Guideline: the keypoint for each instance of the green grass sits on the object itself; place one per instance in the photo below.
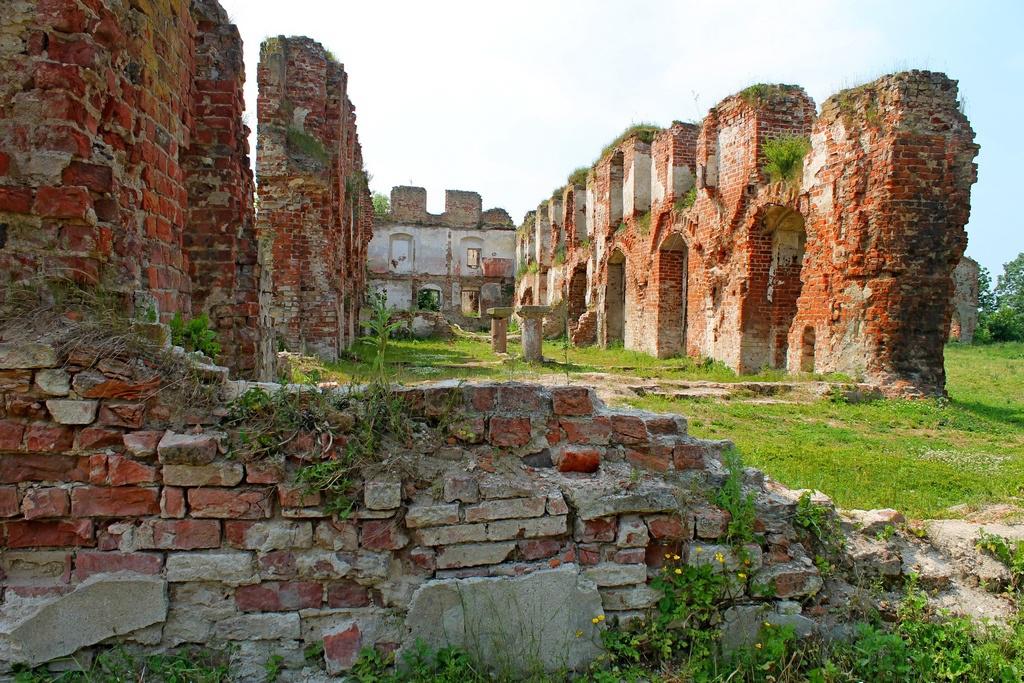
(921, 457)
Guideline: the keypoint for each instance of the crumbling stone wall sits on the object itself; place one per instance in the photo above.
(123, 160)
(315, 211)
(110, 506)
(965, 301)
(692, 248)
(412, 250)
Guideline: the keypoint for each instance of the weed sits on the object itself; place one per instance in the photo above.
(819, 521)
(761, 93)
(272, 667)
(644, 132)
(559, 256)
(118, 665)
(1010, 553)
(579, 176)
(643, 224)
(195, 335)
(687, 200)
(420, 664)
(784, 158)
(740, 506)
(301, 142)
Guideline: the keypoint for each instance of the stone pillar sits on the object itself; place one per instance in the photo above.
(499, 328)
(532, 317)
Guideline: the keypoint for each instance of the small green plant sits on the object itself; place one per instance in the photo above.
(560, 256)
(817, 520)
(420, 664)
(118, 665)
(687, 200)
(273, 667)
(195, 334)
(1011, 554)
(301, 142)
(784, 158)
(740, 506)
(621, 228)
(579, 176)
(381, 205)
(643, 224)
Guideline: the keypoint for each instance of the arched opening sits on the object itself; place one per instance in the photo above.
(615, 299)
(671, 269)
(807, 350)
(428, 298)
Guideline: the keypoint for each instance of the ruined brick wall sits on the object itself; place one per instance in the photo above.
(100, 105)
(103, 499)
(845, 269)
(413, 250)
(315, 210)
(965, 301)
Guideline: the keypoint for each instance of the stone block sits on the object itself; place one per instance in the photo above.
(632, 533)
(103, 606)
(89, 562)
(584, 459)
(509, 432)
(592, 502)
(218, 474)
(536, 527)
(384, 534)
(49, 534)
(9, 501)
(506, 508)
(487, 617)
(574, 401)
(267, 536)
(341, 647)
(21, 355)
(431, 515)
(142, 444)
(231, 503)
(266, 626)
(123, 471)
(382, 495)
(473, 554)
(636, 597)
(608, 574)
(53, 382)
(279, 596)
(43, 503)
(234, 569)
(187, 449)
(122, 501)
(742, 624)
(447, 535)
(463, 489)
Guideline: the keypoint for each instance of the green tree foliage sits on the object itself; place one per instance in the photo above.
(381, 205)
(1001, 312)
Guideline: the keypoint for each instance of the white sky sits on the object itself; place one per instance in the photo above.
(506, 99)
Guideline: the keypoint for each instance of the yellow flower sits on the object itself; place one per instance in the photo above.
(676, 557)
(719, 557)
(668, 556)
(579, 634)
(679, 571)
(600, 617)
(698, 549)
(757, 645)
(594, 620)
(742, 575)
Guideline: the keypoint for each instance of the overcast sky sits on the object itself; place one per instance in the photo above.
(507, 98)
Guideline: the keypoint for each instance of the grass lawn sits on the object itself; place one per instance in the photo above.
(921, 457)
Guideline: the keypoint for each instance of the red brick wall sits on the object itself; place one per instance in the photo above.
(315, 206)
(107, 118)
(861, 264)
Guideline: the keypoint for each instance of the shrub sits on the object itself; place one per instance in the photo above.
(195, 334)
(784, 158)
(427, 300)
(687, 200)
(1004, 325)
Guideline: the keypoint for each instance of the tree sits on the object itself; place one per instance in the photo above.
(1010, 286)
(381, 205)
(986, 297)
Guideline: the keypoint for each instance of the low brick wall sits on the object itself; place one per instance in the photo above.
(98, 484)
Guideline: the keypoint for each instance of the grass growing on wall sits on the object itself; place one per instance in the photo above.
(784, 158)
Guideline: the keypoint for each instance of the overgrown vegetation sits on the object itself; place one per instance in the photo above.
(687, 200)
(428, 300)
(731, 498)
(92, 324)
(381, 205)
(560, 255)
(784, 158)
(643, 224)
(644, 132)
(579, 176)
(1010, 553)
(759, 93)
(195, 334)
(301, 142)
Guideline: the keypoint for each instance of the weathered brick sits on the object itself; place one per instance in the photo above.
(578, 459)
(668, 527)
(41, 534)
(122, 501)
(572, 401)
(187, 449)
(44, 503)
(89, 562)
(231, 503)
(341, 647)
(70, 412)
(460, 488)
(347, 594)
(172, 502)
(505, 529)
(92, 438)
(122, 471)
(48, 438)
(382, 495)
(596, 430)
(382, 534)
(9, 501)
(11, 434)
(431, 515)
(265, 536)
(602, 529)
(179, 534)
(275, 596)
(509, 431)
(142, 444)
(121, 414)
(473, 554)
(446, 535)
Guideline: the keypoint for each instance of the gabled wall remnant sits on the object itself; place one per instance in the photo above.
(124, 161)
(844, 267)
(315, 210)
(465, 255)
